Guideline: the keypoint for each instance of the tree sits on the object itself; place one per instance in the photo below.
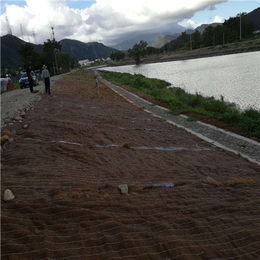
(51, 48)
(117, 56)
(233, 27)
(29, 56)
(184, 37)
(138, 51)
(208, 36)
(196, 39)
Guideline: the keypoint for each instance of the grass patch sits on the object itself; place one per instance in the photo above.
(192, 119)
(180, 101)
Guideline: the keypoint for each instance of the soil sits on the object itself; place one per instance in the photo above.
(65, 168)
(195, 116)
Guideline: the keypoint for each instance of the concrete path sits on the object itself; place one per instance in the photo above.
(247, 148)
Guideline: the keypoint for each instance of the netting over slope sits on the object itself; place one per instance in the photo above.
(65, 173)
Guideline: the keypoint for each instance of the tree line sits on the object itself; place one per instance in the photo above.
(56, 61)
(232, 30)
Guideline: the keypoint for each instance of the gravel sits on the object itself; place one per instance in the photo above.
(19, 101)
(246, 147)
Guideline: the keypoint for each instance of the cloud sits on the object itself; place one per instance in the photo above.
(192, 24)
(105, 20)
(218, 19)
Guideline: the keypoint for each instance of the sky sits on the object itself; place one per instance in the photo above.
(109, 21)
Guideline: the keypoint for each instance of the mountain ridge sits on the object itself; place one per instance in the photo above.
(11, 45)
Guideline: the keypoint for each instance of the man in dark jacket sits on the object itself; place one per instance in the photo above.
(30, 78)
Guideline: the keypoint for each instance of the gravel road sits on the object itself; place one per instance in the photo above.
(16, 102)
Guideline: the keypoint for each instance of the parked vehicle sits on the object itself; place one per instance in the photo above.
(38, 74)
(24, 82)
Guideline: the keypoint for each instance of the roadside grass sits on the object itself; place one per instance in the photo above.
(247, 121)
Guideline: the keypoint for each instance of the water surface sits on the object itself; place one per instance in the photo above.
(235, 77)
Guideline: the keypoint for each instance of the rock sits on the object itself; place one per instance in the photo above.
(25, 126)
(4, 138)
(211, 181)
(8, 195)
(6, 132)
(22, 114)
(18, 118)
(126, 145)
(123, 188)
(10, 140)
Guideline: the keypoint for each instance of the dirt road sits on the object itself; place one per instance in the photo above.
(65, 168)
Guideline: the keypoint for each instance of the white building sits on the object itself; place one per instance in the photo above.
(84, 62)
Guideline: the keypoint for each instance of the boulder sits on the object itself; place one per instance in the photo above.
(8, 195)
(4, 138)
(123, 188)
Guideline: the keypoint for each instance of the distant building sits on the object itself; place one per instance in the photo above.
(84, 62)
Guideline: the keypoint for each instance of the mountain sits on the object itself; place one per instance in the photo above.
(254, 16)
(202, 27)
(152, 37)
(165, 40)
(83, 51)
(11, 57)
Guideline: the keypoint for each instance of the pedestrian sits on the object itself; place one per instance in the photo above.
(30, 78)
(46, 79)
(96, 86)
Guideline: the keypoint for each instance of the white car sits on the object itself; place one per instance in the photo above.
(24, 82)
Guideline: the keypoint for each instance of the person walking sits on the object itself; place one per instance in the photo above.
(46, 79)
(30, 78)
(96, 86)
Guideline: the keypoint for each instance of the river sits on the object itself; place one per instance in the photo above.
(236, 77)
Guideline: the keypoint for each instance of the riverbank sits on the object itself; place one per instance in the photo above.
(186, 198)
(234, 48)
(207, 109)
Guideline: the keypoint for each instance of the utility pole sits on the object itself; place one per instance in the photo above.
(54, 50)
(9, 31)
(223, 39)
(190, 43)
(21, 28)
(33, 34)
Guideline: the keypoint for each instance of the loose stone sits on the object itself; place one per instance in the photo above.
(123, 188)
(4, 138)
(8, 195)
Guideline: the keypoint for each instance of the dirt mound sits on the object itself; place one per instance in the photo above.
(65, 168)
